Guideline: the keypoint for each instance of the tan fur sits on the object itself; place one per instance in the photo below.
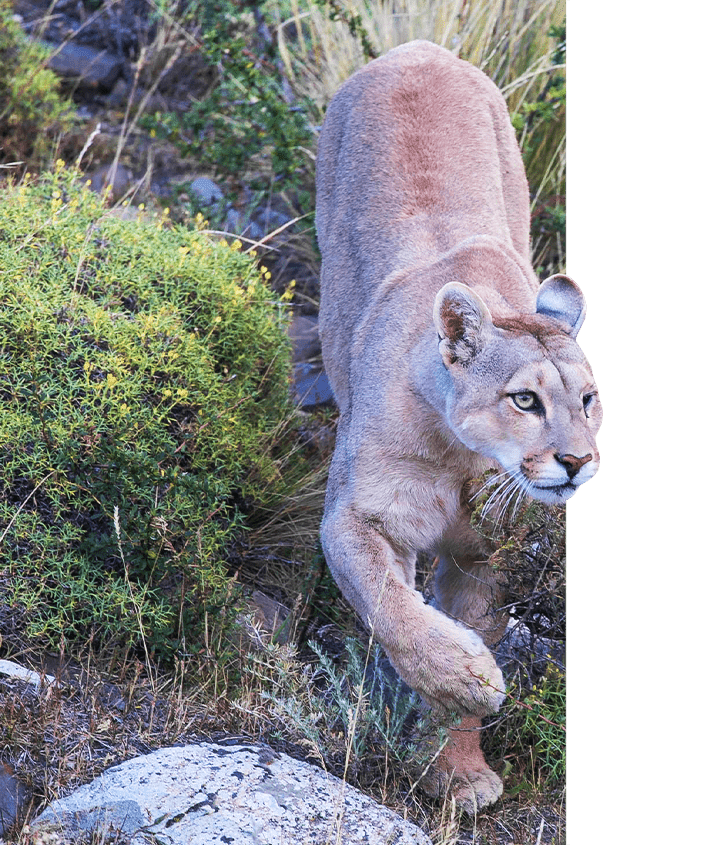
(431, 321)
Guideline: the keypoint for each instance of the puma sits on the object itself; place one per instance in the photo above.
(446, 358)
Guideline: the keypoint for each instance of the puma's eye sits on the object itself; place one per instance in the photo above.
(587, 401)
(527, 401)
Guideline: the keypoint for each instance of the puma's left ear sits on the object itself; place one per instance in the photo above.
(561, 298)
(462, 321)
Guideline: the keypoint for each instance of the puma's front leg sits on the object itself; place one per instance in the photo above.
(449, 665)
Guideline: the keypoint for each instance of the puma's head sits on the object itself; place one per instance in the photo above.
(520, 391)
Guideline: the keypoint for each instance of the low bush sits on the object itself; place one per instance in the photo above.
(143, 405)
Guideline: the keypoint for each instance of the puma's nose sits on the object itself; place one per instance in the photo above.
(573, 464)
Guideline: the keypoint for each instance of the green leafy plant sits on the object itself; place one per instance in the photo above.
(369, 707)
(245, 124)
(532, 733)
(143, 411)
(32, 112)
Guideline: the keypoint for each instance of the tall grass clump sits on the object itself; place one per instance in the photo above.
(143, 407)
(521, 46)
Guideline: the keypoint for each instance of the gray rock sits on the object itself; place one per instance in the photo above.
(207, 192)
(269, 220)
(119, 180)
(303, 332)
(118, 97)
(251, 231)
(13, 797)
(210, 794)
(91, 68)
(21, 673)
(311, 386)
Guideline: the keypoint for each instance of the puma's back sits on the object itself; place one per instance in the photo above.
(416, 155)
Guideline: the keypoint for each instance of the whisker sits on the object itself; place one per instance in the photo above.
(516, 488)
(494, 495)
(501, 504)
(491, 480)
(522, 493)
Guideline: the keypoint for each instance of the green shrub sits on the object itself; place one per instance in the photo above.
(31, 109)
(143, 398)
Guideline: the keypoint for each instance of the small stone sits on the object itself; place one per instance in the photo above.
(91, 68)
(270, 617)
(303, 333)
(13, 797)
(206, 191)
(311, 386)
(117, 98)
(120, 181)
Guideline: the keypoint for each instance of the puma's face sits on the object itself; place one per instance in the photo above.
(539, 422)
(520, 392)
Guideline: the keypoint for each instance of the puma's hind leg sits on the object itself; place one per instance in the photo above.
(461, 770)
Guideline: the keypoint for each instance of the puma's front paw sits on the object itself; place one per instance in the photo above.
(452, 668)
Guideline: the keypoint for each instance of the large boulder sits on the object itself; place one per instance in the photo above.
(207, 793)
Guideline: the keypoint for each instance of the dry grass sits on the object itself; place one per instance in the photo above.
(509, 41)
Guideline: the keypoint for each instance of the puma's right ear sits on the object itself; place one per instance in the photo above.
(461, 319)
(561, 298)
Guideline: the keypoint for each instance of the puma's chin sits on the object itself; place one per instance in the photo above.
(554, 494)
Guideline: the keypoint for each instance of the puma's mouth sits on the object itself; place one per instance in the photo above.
(553, 494)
